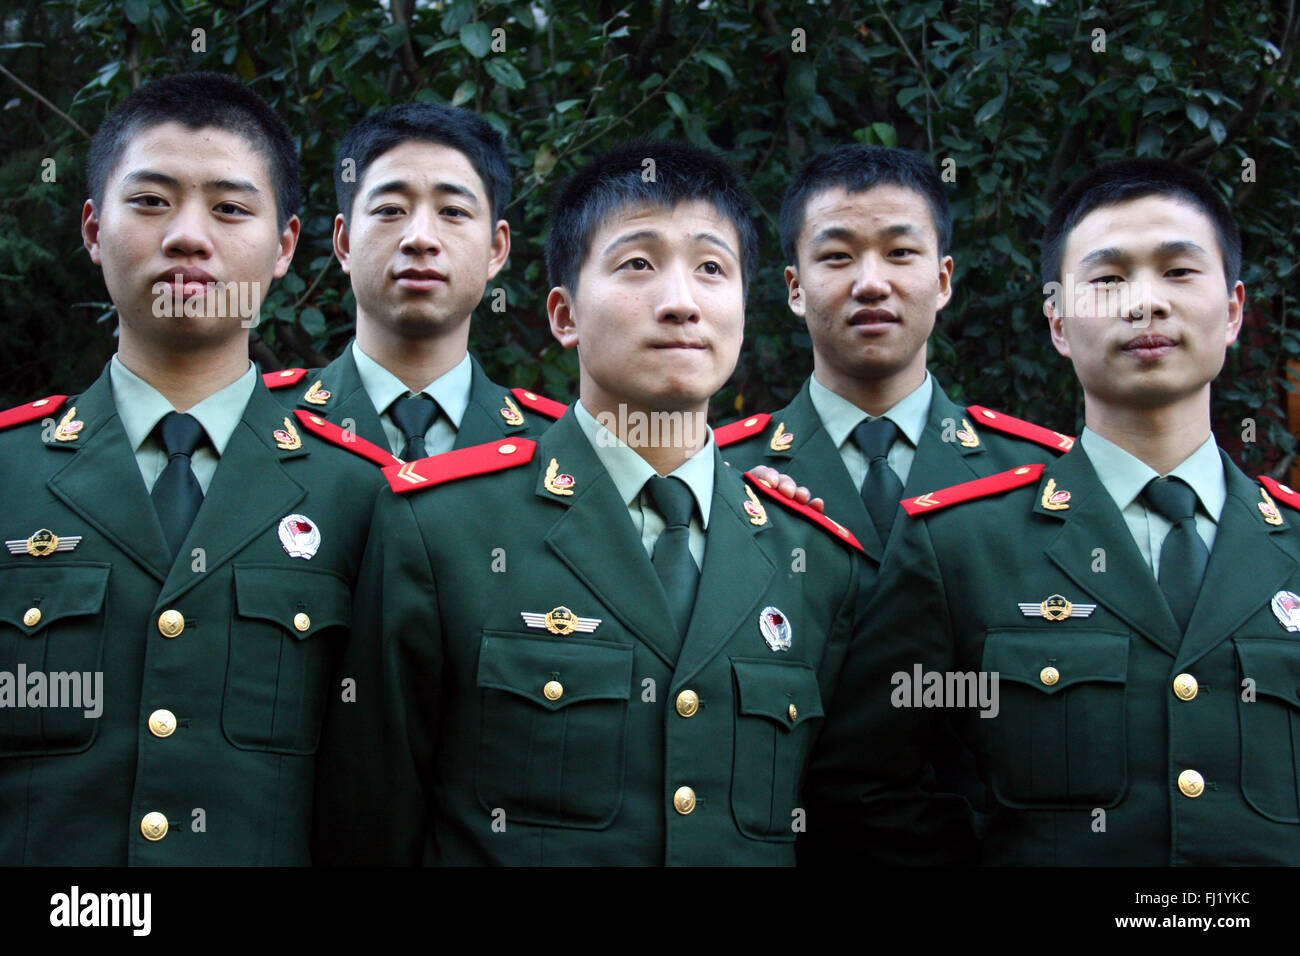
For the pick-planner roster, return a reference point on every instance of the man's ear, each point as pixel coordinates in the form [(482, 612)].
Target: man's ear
[(795, 296), (288, 243), (1057, 327), (1236, 311), (90, 230), (342, 243), (500, 248), (559, 309), (945, 283)]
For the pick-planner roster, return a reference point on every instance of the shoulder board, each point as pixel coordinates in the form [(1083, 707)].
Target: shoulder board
[(1010, 425), (740, 429), (349, 441), (290, 376), (538, 403), (836, 529), (979, 488), (1281, 492), (460, 463), (31, 411)]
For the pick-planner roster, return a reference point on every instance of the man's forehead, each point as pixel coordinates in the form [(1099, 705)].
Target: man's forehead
[(1143, 224), (660, 217), (422, 163), (881, 207), (193, 151)]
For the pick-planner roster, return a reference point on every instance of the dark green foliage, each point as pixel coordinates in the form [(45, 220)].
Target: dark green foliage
[(1013, 93)]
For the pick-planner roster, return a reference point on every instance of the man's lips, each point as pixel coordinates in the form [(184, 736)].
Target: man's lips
[(872, 320), (189, 280), (419, 280), (1149, 347), (678, 345)]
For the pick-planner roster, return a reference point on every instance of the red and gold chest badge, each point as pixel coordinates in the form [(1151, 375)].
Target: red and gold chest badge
[(287, 438), (781, 439), (556, 483), (1054, 500), (511, 412), (69, 426), (299, 536), (753, 508), (775, 628), (1269, 509), (966, 435), (316, 395)]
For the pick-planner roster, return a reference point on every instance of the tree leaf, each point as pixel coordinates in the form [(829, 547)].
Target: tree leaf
[(504, 72), (477, 39)]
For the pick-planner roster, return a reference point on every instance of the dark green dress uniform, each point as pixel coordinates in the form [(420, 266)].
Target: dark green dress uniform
[(1119, 737), (483, 410), (955, 444), (215, 665), (528, 698)]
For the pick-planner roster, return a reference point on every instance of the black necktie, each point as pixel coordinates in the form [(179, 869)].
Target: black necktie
[(672, 553), (881, 489), (176, 494), (414, 416), (1183, 556)]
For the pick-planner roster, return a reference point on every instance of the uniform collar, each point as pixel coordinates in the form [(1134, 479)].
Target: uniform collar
[(1124, 476), (629, 471), (840, 416), (450, 390), (140, 406)]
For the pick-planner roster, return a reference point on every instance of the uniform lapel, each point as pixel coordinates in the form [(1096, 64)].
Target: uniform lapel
[(483, 421), (348, 400), (812, 459), (595, 538), (230, 516), (939, 463), (1247, 567), (1091, 521), (736, 574), (101, 481)]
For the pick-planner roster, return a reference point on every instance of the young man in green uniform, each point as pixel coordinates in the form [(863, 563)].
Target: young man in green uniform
[(422, 190), (605, 646), (866, 232), (1135, 599), (180, 550)]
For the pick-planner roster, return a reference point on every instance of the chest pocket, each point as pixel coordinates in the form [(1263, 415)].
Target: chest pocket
[(52, 626), (1270, 727), (553, 729), (778, 709), (283, 638), (1058, 741)]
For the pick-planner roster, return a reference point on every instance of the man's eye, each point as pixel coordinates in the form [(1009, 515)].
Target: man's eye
[(712, 268), (231, 209), (1180, 272), (835, 257), (1106, 280), (903, 252), (388, 211), (455, 212), (637, 265), (151, 202)]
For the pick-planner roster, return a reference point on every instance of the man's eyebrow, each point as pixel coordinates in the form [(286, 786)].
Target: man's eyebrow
[(1172, 247), (645, 235), (1108, 254), (844, 233), (162, 179), (402, 186), (715, 240)]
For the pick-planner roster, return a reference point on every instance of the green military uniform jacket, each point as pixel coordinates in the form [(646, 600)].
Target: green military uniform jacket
[(476, 737), (494, 411), (215, 666), (795, 442), (1118, 740)]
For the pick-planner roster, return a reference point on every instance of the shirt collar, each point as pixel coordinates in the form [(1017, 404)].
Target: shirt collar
[(1124, 476), (450, 390), (140, 406), (629, 471), (840, 416)]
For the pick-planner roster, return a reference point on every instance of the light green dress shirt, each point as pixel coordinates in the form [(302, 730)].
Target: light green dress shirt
[(141, 407), (630, 472), (840, 417), (1124, 477), (450, 391)]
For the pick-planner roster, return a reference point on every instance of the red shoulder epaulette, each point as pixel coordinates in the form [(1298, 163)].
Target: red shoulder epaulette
[(812, 514), (460, 463), (539, 403), (31, 411), (290, 376), (741, 429), (979, 488), (345, 439), (1281, 492), (1010, 425)]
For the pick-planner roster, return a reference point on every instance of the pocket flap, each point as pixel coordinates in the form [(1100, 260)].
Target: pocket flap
[(43, 594), (782, 691), (300, 600), (1273, 665), (555, 673), (1029, 657)]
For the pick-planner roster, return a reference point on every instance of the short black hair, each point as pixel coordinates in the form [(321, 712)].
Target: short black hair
[(617, 179), (199, 100), (1130, 179), (857, 168), (460, 129)]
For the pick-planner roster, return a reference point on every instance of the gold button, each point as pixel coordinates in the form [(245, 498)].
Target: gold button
[(506, 450), (684, 800), (1191, 783), (553, 690), (32, 617), (987, 414), (171, 622), (688, 702), (286, 373), (1185, 686), (154, 826), (1049, 675), (530, 396), (794, 712), (751, 422), (301, 621), (1021, 471), (162, 723), (41, 404)]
